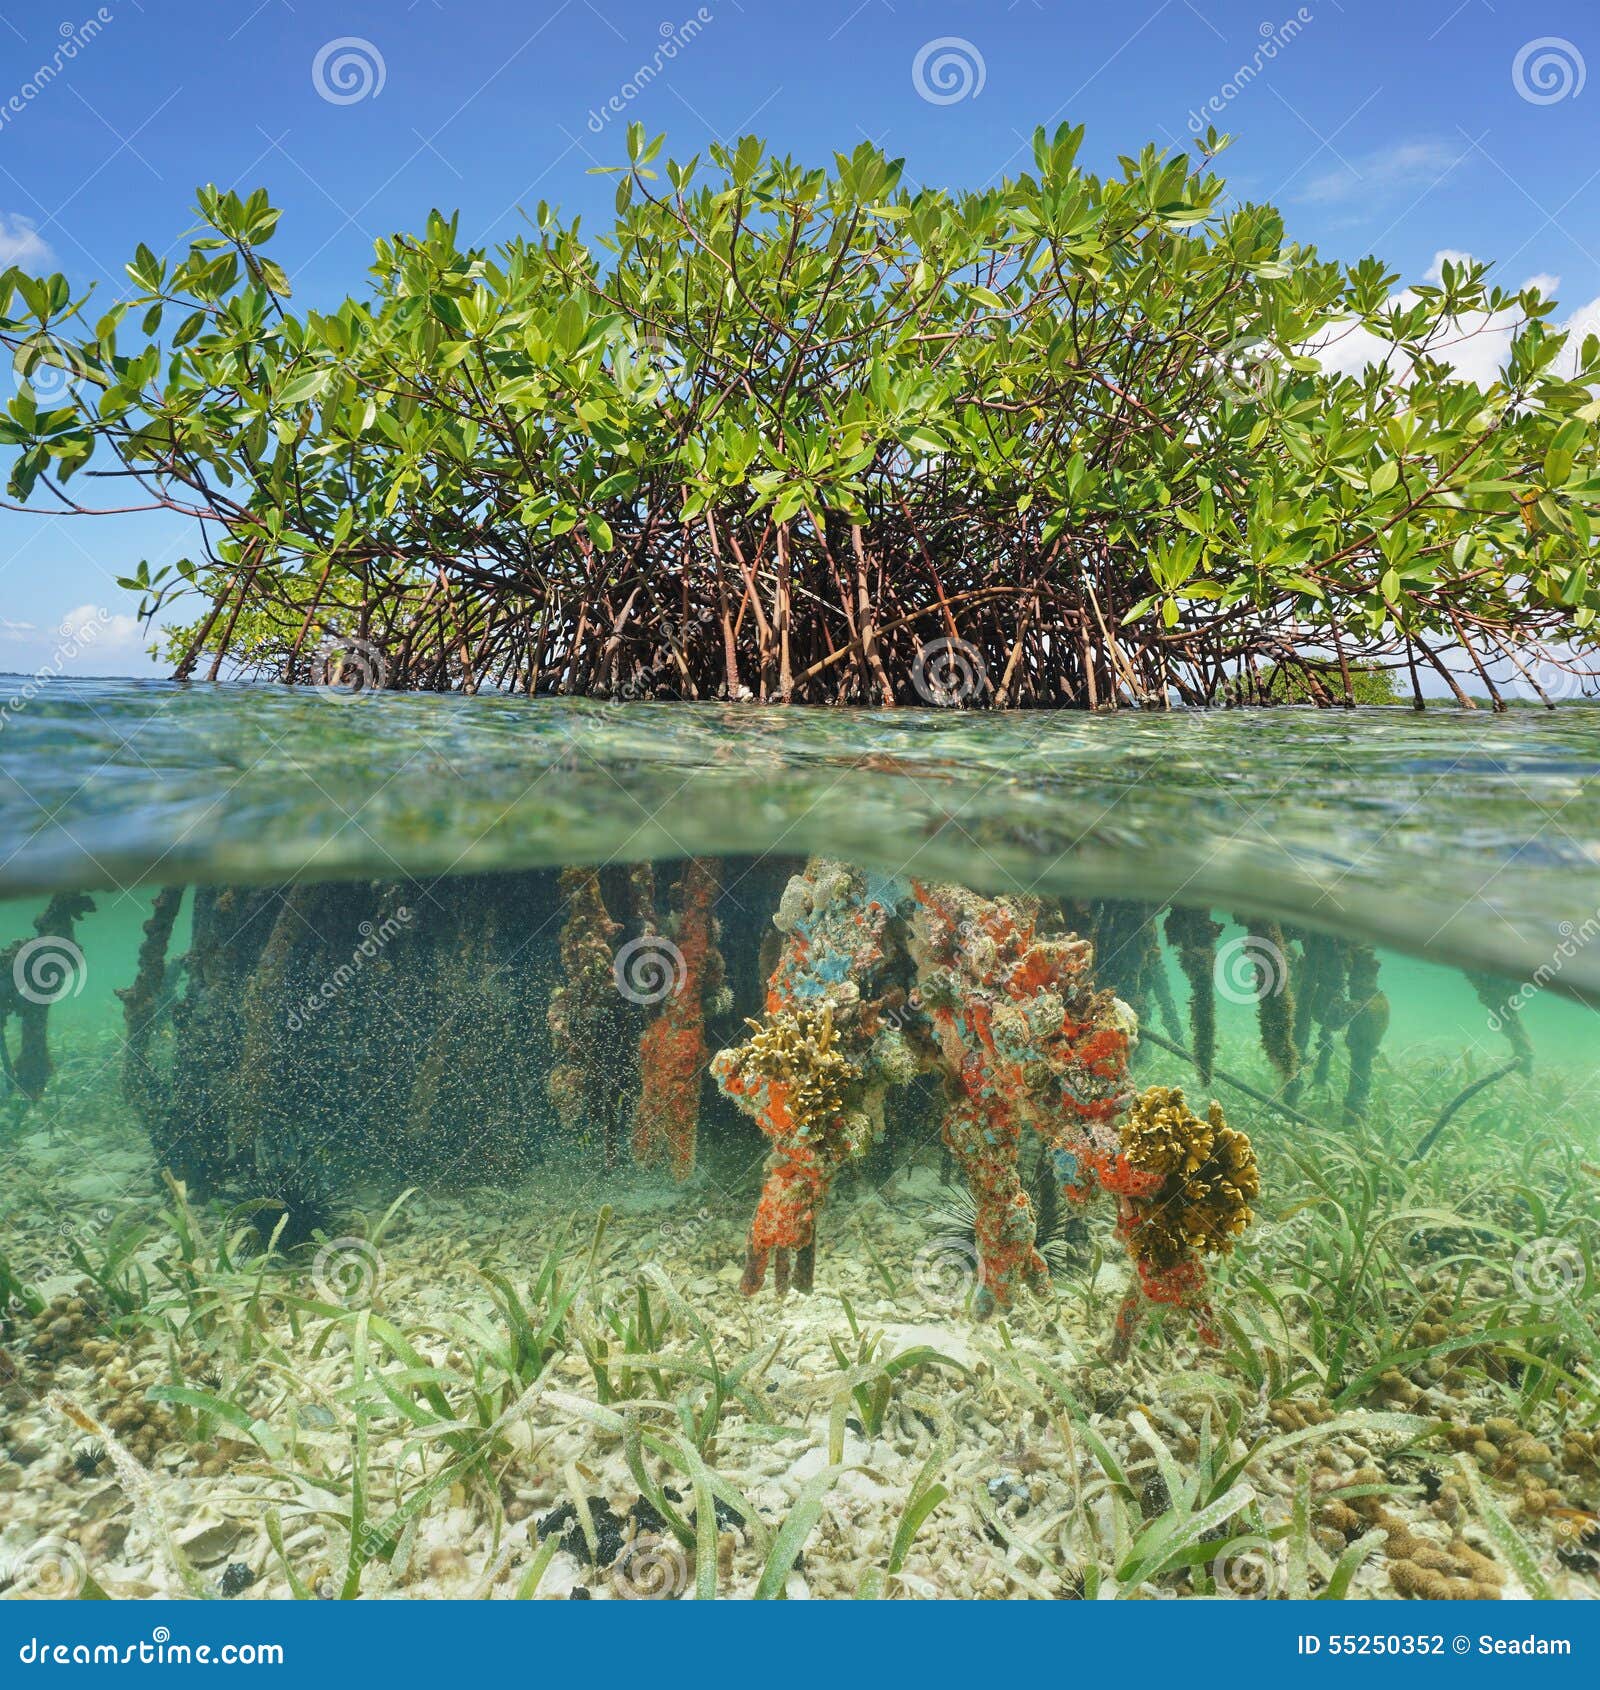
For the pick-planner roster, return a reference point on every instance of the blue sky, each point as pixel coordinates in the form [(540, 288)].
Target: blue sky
[(1404, 128)]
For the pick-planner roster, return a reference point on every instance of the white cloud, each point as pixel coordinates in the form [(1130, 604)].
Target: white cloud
[(1403, 168), (1479, 344), (1584, 321), (22, 244), (1445, 255), (95, 628), (88, 639)]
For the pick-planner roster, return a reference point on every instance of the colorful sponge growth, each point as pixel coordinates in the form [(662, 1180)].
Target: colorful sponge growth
[(1025, 1042), (814, 1073), (878, 981), (672, 1048), (1183, 1186)]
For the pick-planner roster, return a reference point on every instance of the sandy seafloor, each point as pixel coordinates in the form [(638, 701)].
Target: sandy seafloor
[(1029, 1504)]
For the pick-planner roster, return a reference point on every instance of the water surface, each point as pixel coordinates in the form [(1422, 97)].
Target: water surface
[(1467, 837)]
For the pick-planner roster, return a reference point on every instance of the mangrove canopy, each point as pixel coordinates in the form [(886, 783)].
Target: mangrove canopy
[(814, 435)]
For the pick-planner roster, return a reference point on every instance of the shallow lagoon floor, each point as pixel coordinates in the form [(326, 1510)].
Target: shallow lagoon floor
[(495, 1393)]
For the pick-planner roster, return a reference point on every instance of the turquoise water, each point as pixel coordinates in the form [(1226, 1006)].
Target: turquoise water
[(424, 1100), (1463, 837)]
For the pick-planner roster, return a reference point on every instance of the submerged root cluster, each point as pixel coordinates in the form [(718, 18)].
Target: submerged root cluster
[(875, 981), (672, 1049), (586, 1014), (1375, 1486)]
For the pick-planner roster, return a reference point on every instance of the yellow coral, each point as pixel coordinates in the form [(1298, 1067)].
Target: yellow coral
[(798, 1047), (1208, 1171)]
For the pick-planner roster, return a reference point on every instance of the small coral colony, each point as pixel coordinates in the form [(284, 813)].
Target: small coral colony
[(875, 982)]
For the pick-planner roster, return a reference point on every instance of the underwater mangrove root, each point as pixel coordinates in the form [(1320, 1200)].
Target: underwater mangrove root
[(1025, 1043), (1458, 1103), (186, 1088), (802, 1086), (475, 1088), (1265, 1099), (281, 1099), (672, 1048), (1126, 940), (1193, 935), (1266, 956), (1060, 1232), (586, 1015), (1505, 1016), (34, 974), (312, 1036), (1364, 1031), (1319, 996), (142, 1004), (878, 980), (814, 1072)]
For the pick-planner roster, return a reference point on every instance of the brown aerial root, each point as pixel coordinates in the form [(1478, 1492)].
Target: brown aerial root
[(141, 1002), (1268, 951), (1364, 1031)]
